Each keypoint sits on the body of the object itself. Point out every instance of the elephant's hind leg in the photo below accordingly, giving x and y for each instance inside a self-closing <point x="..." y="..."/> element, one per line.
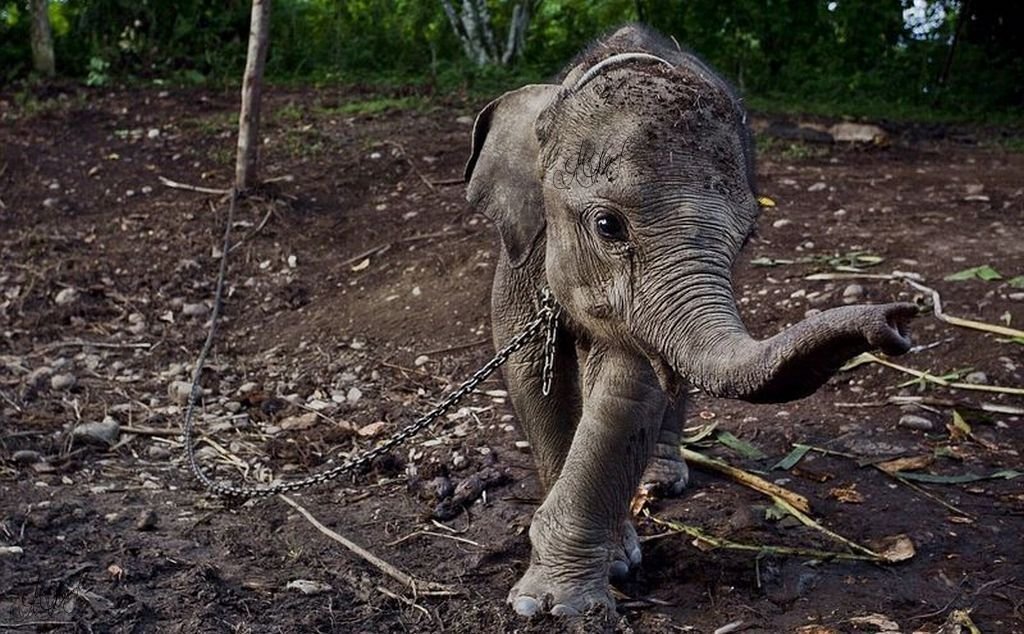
<point x="667" y="473"/>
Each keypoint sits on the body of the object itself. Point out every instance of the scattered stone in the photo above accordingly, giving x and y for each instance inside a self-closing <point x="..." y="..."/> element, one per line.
<point x="853" y="294"/>
<point x="459" y="461"/>
<point x="11" y="551"/>
<point x="464" y="120"/>
<point x="248" y="388"/>
<point x="153" y="133"/>
<point x="105" y="432"/>
<point x="233" y="407"/>
<point x="781" y="222"/>
<point x="353" y="395"/>
<point x="817" y="187"/>
<point x="306" y="586"/>
<point x="26" y="456"/>
<point x="421" y="360"/>
<point x="976" y="378"/>
<point x="195" y="310"/>
<point x="179" y="391"/>
<point x="523" y="446"/>
<point x="66" y="296"/>
<point x="148" y="519"/>
<point x="63" y="382"/>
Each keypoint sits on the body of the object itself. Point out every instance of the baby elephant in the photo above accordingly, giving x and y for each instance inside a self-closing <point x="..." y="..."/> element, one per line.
<point x="628" y="190"/>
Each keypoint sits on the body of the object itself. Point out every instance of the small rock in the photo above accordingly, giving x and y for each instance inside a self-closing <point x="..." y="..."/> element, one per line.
<point x="353" y="395"/>
<point x="459" y="461"/>
<point x="464" y="120"/>
<point x="11" y="551"/>
<point x="781" y="222"/>
<point x="305" y="586"/>
<point x="26" y="456"/>
<point x="817" y="187"/>
<point x="247" y="388"/>
<point x="853" y="294"/>
<point x="195" y="310"/>
<point x="147" y="521"/>
<point x="63" y="381"/>
<point x="179" y="391"/>
<point x="977" y="378"/>
<point x="66" y="296"/>
<point x="858" y="133"/>
<point x="372" y="429"/>
<point x="523" y="446"/>
<point x="105" y="432"/>
<point x="158" y="452"/>
<point x="421" y="360"/>
<point x="153" y="133"/>
<point x="302" y="421"/>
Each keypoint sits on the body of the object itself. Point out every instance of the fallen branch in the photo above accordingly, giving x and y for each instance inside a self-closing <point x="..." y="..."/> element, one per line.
<point x="895" y="275"/>
<point x="418" y="586"/>
<point x="193" y="188"/>
<point x="959" y="321"/>
<point x="747" y="479"/>
<point x="761" y="549"/>
<point x="868" y="357"/>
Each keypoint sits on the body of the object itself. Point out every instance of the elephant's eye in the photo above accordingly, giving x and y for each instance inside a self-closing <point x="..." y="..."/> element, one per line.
<point x="609" y="226"/>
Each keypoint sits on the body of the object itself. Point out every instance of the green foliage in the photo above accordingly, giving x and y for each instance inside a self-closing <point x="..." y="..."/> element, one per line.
<point x="838" y="57"/>
<point x="983" y="272"/>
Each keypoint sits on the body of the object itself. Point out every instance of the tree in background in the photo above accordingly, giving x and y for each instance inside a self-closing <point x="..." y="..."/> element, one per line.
<point x="42" y="40"/>
<point x="472" y="24"/>
<point x="252" y="89"/>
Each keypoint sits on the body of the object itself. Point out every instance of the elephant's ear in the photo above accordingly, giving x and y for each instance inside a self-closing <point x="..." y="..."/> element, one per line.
<point x="502" y="172"/>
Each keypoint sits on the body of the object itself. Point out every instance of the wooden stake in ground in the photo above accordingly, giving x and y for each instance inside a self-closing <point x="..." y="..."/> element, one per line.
<point x="42" y="39"/>
<point x="252" y="87"/>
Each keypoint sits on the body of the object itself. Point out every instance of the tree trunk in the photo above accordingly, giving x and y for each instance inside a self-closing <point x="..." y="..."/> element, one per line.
<point x="42" y="40"/>
<point x="516" y="43"/>
<point x="252" y="87"/>
<point x="472" y="25"/>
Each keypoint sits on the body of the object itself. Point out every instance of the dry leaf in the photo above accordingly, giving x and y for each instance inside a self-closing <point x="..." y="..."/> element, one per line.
<point x="640" y="501"/>
<point x="764" y="201"/>
<point x="365" y="264"/>
<point x="847" y="495"/>
<point x="910" y="463"/>
<point x="882" y="622"/>
<point x="894" y="549"/>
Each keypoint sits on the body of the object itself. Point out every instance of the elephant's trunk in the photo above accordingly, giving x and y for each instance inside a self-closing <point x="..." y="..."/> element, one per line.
<point x="699" y="333"/>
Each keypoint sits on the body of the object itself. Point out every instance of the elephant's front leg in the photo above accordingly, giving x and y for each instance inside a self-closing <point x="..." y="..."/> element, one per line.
<point x="580" y="524"/>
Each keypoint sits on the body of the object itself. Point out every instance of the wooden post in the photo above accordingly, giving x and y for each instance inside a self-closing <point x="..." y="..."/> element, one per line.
<point x="252" y="87"/>
<point x="42" y="39"/>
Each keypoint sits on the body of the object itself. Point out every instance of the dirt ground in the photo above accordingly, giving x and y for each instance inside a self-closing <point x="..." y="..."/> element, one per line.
<point x="359" y="295"/>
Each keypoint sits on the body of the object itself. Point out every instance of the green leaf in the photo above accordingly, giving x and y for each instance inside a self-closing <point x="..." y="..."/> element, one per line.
<point x="775" y="513"/>
<point x="792" y="458"/>
<point x="1016" y="282"/>
<point x="741" y="447"/>
<point x="983" y="272"/>
<point x="962" y="478"/>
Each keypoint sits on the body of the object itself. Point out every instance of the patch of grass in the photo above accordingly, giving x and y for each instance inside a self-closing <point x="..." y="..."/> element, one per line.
<point x="1013" y="144"/>
<point x="879" y="109"/>
<point x="378" y="105"/>
<point x="212" y="124"/>
<point x="789" y="150"/>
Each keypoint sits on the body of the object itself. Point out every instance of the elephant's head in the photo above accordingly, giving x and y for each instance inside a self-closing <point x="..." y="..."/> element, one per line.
<point x="632" y="185"/>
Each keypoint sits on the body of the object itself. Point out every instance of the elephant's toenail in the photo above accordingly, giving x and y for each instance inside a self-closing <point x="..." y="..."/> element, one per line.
<point x="525" y="606"/>
<point x="618" y="569"/>
<point x="636" y="556"/>
<point x="564" y="610"/>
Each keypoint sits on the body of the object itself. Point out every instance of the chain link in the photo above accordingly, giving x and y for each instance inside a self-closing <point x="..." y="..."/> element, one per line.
<point x="550" y="332"/>
<point x="547" y="316"/>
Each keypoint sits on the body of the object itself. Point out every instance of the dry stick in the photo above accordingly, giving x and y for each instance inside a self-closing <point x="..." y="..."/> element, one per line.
<point x="388" y="245"/>
<point x="433" y="534"/>
<point x="748" y="479"/>
<point x="728" y="544"/>
<point x="995" y="408"/>
<point x="795" y="504"/>
<point x="432" y="588"/>
<point x="959" y="321"/>
<point x="193" y="188"/>
<point x="406" y="600"/>
<point x="894" y="475"/>
<point x="867" y="357"/>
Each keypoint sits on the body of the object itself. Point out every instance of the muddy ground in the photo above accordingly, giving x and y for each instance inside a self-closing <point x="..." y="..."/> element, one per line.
<point x="359" y="295"/>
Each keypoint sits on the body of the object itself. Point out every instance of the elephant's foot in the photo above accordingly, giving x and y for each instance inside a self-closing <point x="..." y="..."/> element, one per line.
<point x="547" y="588"/>
<point x="626" y="555"/>
<point x="667" y="473"/>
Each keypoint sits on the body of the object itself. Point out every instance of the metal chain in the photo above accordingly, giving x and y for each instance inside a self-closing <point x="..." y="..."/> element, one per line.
<point x="547" y="316"/>
<point x="549" y="342"/>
